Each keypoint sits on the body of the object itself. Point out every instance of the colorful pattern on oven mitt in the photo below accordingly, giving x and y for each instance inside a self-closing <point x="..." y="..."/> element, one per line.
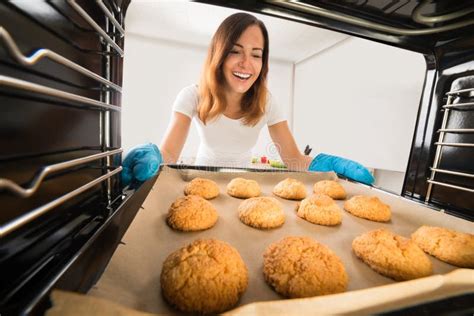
<point x="141" y="163"/>
<point x="345" y="167"/>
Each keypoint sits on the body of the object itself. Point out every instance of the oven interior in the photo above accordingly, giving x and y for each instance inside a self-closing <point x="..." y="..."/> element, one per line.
<point x="64" y="209"/>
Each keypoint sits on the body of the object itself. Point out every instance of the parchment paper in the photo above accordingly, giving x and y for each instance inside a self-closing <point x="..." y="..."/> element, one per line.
<point x="132" y="277"/>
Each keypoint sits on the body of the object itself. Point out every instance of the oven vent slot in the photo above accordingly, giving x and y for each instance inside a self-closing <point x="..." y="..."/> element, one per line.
<point x="95" y="26"/>
<point x="441" y="144"/>
<point x="15" y="52"/>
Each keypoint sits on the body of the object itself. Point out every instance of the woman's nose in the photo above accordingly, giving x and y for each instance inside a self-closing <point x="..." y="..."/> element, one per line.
<point x="244" y="60"/>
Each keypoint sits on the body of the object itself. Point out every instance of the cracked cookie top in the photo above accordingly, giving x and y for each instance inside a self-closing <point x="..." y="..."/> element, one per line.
<point x="302" y="267"/>
<point x="206" y="276"/>
<point x="205" y="188"/>
<point x="392" y="255"/>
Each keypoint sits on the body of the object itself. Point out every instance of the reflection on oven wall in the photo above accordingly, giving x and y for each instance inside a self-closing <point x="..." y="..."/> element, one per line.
<point x="342" y="95"/>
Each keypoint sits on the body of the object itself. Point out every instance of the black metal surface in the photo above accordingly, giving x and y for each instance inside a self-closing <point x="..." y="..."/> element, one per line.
<point x="453" y="158"/>
<point x="459" y="305"/>
<point x="37" y="131"/>
<point x="70" y="247"/>
<point x="394" y="13"/>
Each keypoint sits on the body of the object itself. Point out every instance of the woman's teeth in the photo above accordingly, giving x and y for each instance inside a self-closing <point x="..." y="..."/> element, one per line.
<point x="241" y="75"/>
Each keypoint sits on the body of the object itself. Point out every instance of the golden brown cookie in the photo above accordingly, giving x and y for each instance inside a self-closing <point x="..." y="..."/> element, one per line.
<point x="207" y="276"/>
<point x="191" y="213"/>
<point x="448" y="245"/>
<point x="205" y="188"/>
<point x="320" y="209"/>
<point x="331" y="188"/>
<point x="243" y="188"/>
<point x="368" y="207"/>
<point x="290" y="189"/>
<point x="302" y="267"/>
<point x="392" y="255"/>
<point x="262" y="212"/>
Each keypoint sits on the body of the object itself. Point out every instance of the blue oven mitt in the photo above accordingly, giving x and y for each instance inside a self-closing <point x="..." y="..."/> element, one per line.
<point x="141" y="163"/>
<point x="345" y="167"/>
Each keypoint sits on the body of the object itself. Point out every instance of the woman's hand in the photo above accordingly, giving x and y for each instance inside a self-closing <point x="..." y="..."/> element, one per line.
<point x="346" y="167"/>
<point x="141" y="163"/>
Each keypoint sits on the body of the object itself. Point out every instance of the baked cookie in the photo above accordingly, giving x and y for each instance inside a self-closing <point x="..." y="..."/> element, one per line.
<point x="290" y="189"/>
<point x="243" y="188"/>
<point x="302" y="267"/>
<point x="191" y="213"/>
<point x="262" y="212"/>
<point x="392" y="255"/>
<point x="205" y="188"/>
<point x="331" y="188"/>
<point x="320" y="209"/>
<point x="448" y="245"/>
<point x="368" y="207"/>
<point x="206" y="276"/>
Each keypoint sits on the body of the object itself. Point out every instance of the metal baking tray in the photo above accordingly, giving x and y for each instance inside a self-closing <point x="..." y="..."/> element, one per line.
<point x="132" y="277"/>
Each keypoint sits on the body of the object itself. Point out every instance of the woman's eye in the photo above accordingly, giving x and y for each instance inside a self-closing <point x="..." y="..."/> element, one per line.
<point x="257" y="56"/>
<point x="234" y="52"/>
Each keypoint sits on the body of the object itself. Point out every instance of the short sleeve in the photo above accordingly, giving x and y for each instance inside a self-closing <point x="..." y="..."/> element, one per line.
<point x="274" y="113"/>
<point x="186" y="101"/>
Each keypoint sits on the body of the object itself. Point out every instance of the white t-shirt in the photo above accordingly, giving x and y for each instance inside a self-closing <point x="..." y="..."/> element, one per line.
<point x="224" y="141"/>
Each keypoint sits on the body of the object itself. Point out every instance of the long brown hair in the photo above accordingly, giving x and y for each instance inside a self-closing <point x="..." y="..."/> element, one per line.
<point x="211" y="87"/>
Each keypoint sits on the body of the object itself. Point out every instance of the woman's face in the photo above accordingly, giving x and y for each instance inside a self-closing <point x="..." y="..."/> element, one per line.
<point x="243" y="64"/>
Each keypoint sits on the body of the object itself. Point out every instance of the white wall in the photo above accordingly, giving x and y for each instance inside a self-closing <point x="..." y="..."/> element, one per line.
<point x="359" y="99"/>
<point x="156" y="70"/>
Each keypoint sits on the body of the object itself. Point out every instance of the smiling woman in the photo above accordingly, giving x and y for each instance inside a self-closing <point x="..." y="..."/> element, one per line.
<point x="230" y="106"/>
<point x="232" y="99"/>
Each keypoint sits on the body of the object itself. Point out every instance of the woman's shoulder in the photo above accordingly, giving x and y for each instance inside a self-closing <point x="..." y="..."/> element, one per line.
<point x="191" y="90"/>
<point x="273" y="112"/>
<point x="271" y="103"/>
<point x="187" y="100"/>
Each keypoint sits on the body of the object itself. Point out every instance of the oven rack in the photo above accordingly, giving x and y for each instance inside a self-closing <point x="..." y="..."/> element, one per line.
<point x="42" y="53"/>
<point x="440" y="144"/>
<point x="35" y="213"/>
<point x="313" y="9"/>
<point x="111" y="17"/>
<point x="44" y="90"/>
<point x="45" y="171"/>
<point x="95" y="26"/>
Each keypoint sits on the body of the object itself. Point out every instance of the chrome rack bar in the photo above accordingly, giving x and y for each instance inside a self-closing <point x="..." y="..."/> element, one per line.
<point x="439" y="152"/>
<point x="15" y="52"/>
<point x="28" y="217"/>
<point x="440" y="144"/>
<point x="312" y="9"/>
<point x="460" y="91"/>
<point x="20" y="191"/>
<point x="458" y="105"/>
<point x="111" y="17"/>
<point x="456" y="130"/>
<point x="94" y="25"/>
<point x="451" y="186"/>
<point x="462" y="174"/>
<point x="424" y="19"/>
<point x="33" y="87"/>
<point x="454" y="144"/>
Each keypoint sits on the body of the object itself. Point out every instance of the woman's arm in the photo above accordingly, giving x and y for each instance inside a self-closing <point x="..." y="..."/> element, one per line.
<point x="175" y="137"/>
<point x="286" y="145"/>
